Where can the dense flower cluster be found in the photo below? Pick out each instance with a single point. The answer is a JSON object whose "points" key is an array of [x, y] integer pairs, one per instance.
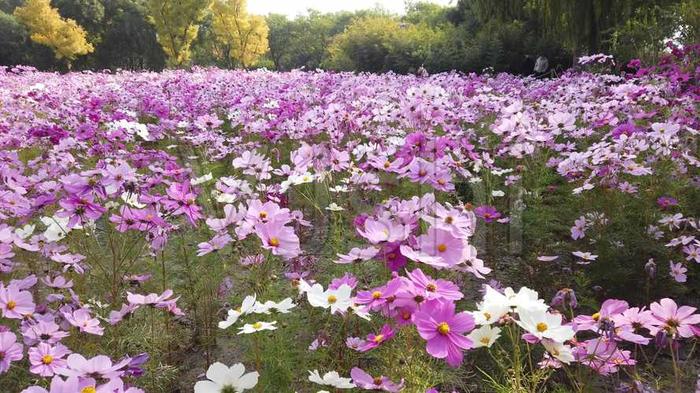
{"points": [[101, 174]]}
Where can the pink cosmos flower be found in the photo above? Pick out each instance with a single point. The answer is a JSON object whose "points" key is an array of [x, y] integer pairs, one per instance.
{"points": [[280, 239], [82, 319], [383, 230], [10, 350], [215, 244], [365, 381], [672, 319], [438, 248], [99, 366], [434, 289], [379, 297], [46, 359], [15, 303], [80, 209], [487, 213], [375, 340], [44, 331], [182, 201], [677, 271], [444, 330]]}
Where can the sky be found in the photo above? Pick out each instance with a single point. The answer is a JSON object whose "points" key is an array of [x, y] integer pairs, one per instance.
{"points": [[292, 8]]}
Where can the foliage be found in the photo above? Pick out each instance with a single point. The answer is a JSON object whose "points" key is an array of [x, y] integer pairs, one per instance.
{"points": [[177, 23], [244, 36], [47, 27]]}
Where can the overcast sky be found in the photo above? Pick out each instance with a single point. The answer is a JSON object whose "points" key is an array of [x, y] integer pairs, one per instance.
{"points": [[293, 8]]}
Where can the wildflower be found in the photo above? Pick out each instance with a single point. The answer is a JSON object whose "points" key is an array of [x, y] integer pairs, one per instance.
{"points": [[585, 257], [365, 381], [443, 330], [281, 240], [331, 378], [338, 300], [542, 324], [10, 350], [46, 359], [82, 319], [375, 340], [487, 213], [674, 320], [677, 271], [434, 289], [249, 328], [100, 366], [15, 303], [438, 248], [223, 379], [484, 336]]}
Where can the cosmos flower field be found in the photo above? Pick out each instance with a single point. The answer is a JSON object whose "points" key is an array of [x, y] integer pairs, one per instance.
{"points": [[231, 231]]}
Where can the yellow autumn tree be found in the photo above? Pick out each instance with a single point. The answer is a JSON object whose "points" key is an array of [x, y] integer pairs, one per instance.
{"points": [[177, 23], [47, 27], [243, 35]]}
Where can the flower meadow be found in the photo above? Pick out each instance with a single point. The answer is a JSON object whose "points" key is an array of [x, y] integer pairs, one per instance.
{"points": [[231, 231]]}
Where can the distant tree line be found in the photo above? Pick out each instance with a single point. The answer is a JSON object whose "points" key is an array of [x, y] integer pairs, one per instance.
{"points": [[473, 35]]}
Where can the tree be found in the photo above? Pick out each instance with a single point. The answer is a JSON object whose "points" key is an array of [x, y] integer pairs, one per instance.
{"points": [[244, 36], [177, 23], [13, 37], [47, 27], [128, 40]]}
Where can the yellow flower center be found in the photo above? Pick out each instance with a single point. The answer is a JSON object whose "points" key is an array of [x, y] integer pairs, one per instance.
{"points": [[257, 325], [88, 389], [262, 215], [47, 359], [378, 338], [332, 299], [274, 242], [431, 287], [487, 316], [449, 219], [376, 295], [11, 305], [387, 164], [443, 328], [485, 340], [596, 316], [541, 327], [442, 247]]}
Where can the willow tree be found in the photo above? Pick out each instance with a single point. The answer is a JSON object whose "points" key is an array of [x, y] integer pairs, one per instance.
{"points": [[244, 36], [46, 27], [177, 23]]}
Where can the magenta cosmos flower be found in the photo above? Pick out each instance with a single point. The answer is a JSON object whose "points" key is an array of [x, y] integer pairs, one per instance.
{"points": [[444, 330], [487, 213], [375, 340], [10, 350], [434, 289], [365, 381], [672, 319]]}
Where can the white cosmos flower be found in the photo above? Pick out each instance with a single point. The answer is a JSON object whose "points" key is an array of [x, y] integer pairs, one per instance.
{"points": [[497, 193], [201, 179], [484, 336], [57, 227], [335, 208], [25, 231], [222, 379], [249, 328], [335, 299], [543, 324], [331, 378], [282, 307], [560, 351], [494, 306], [246, 308], [132, 199], [525, 298]]}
